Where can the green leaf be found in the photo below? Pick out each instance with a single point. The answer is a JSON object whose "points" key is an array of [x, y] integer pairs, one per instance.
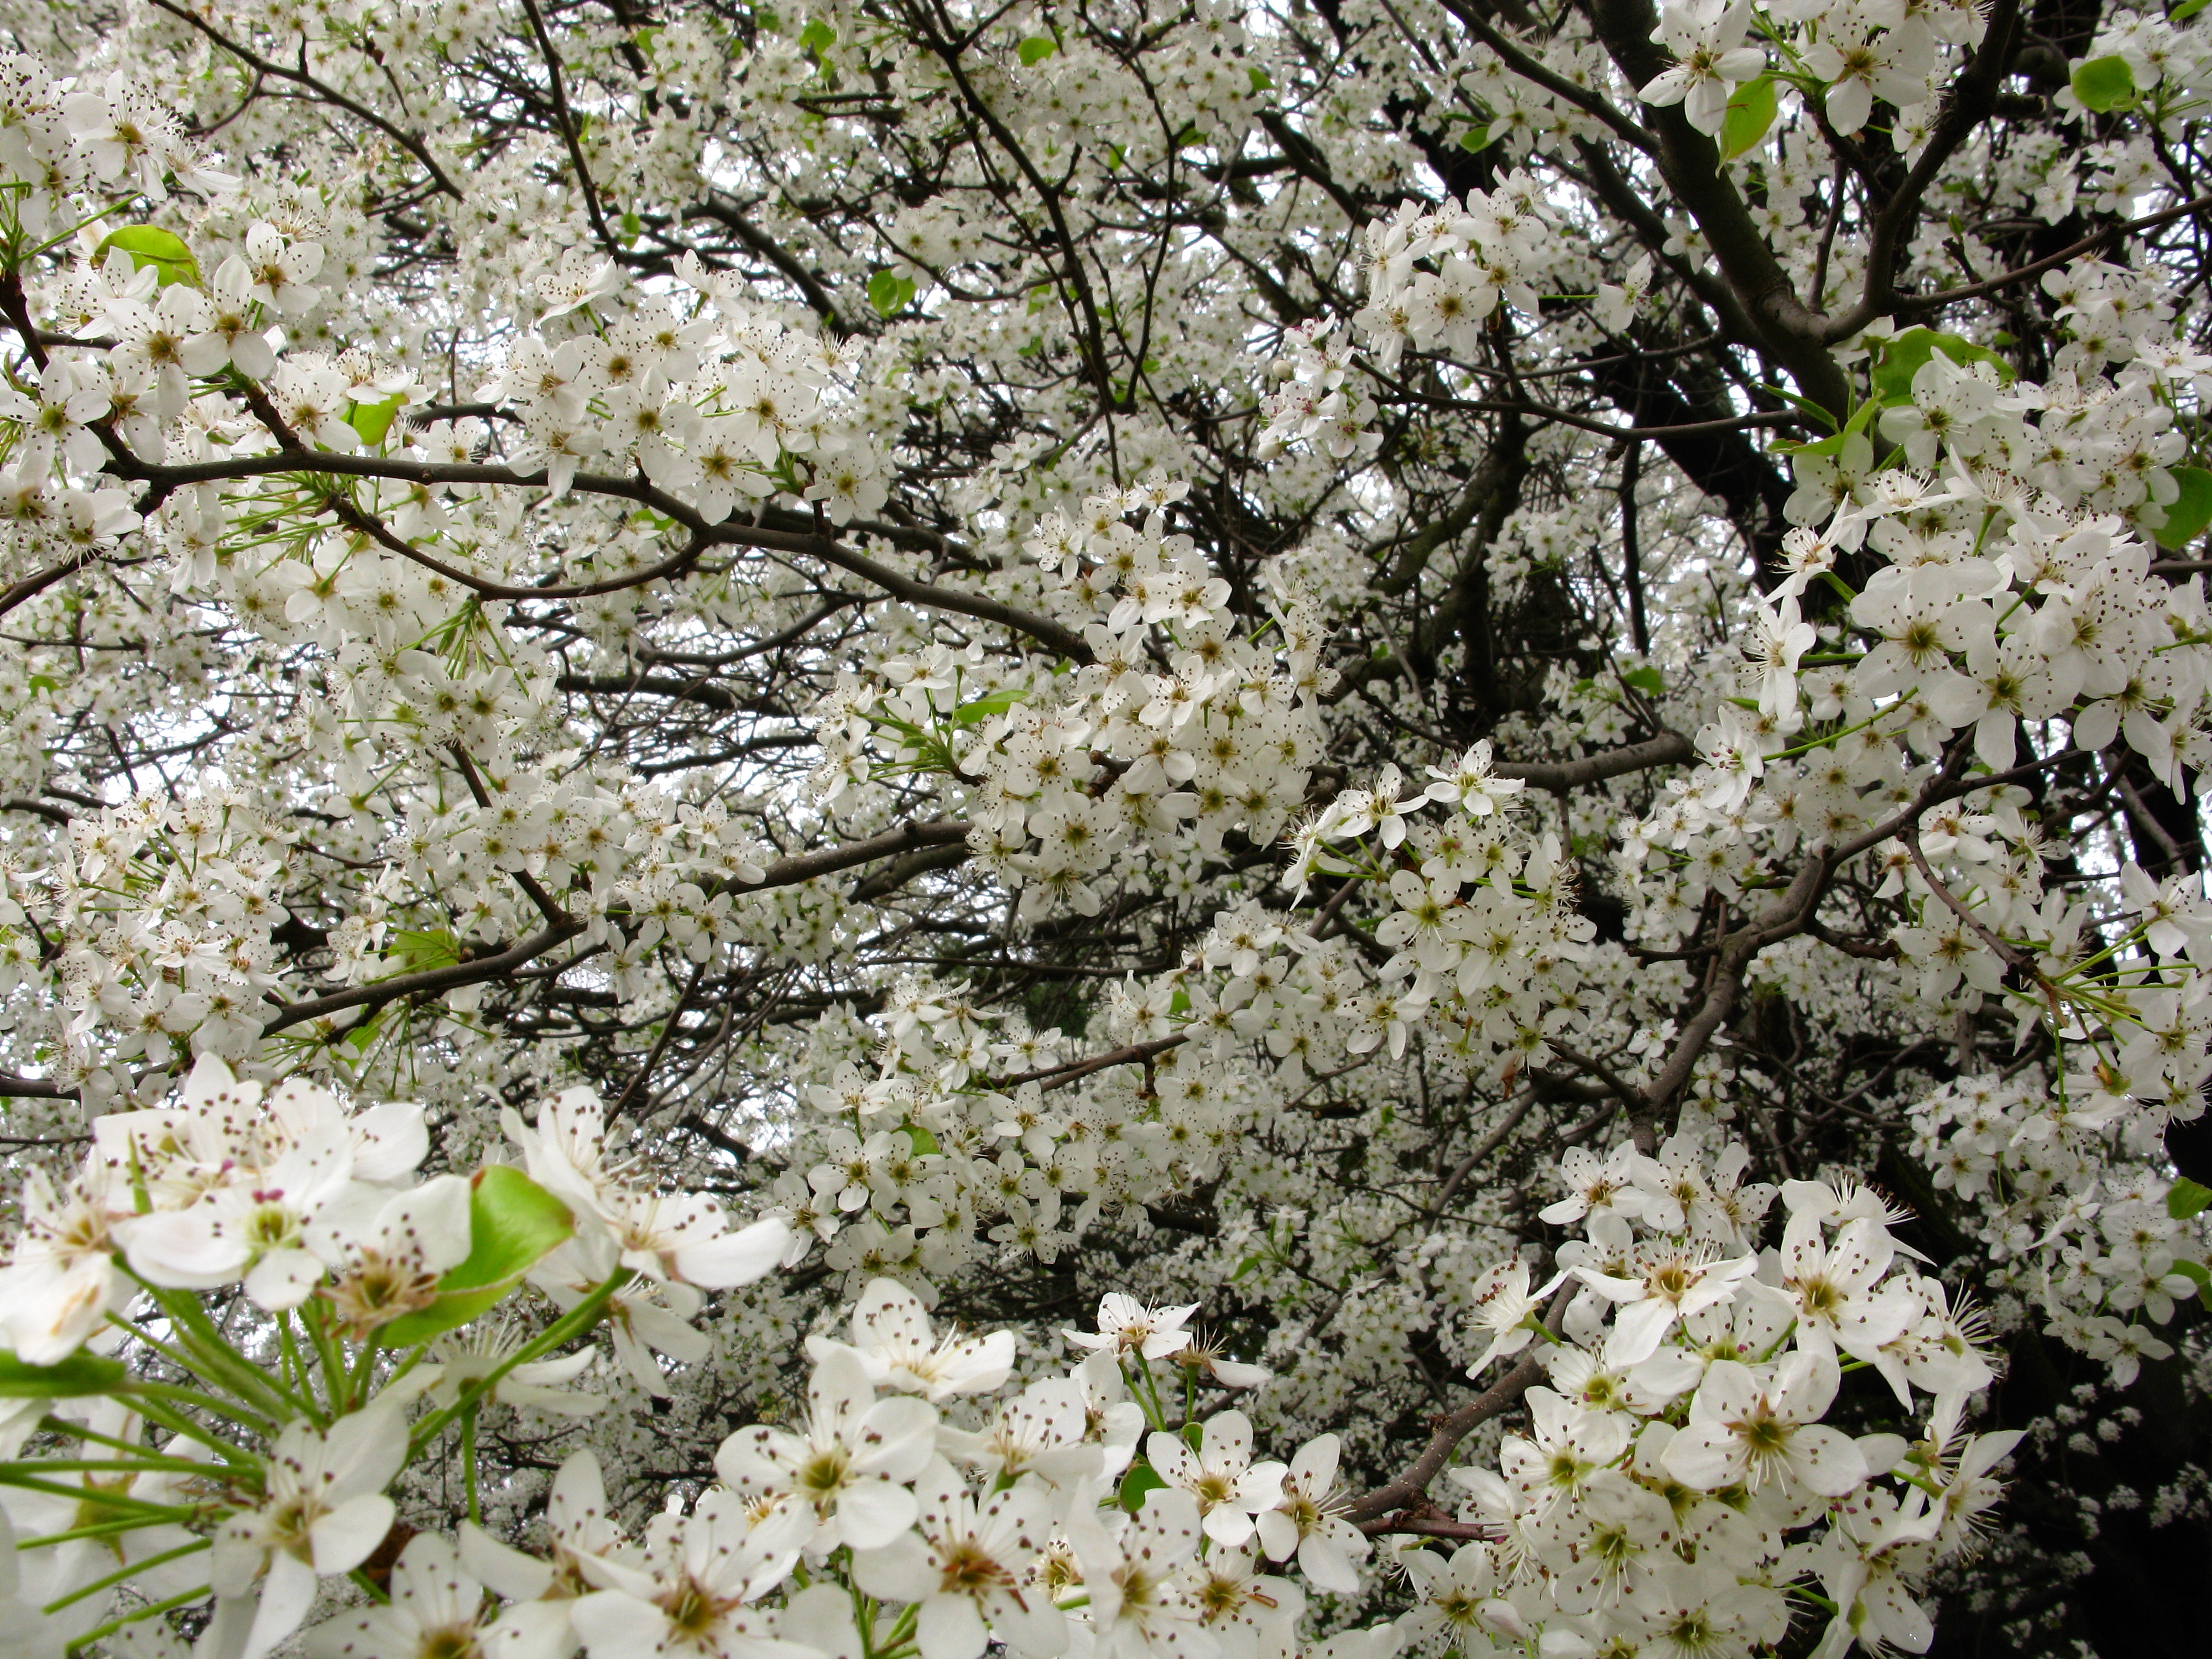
{"points": [[1475, 139], [154, 249], [890, 293], [1263, 81], [1803, 406], [817, 37], [2104, 83], [362, 1035], [1034, 50], [1645, 680], [1901, 359], [1834, 442], [1750, 113], [982, 708], [2194, 1272], [2186, 1198], [1141, 1479], [919, 1138], [2187, 514], [513, 1224], [422, 949], [372, 420], [2185, 10], [80, 1374]]}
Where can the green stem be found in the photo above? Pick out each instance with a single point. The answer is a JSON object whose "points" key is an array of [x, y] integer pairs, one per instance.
{"points": [[78, 1431], [218, 1358], [98, 1529], [178, 1424], [295, 1368], [122, 1573], [580, 1319], [1828, 738], [183, 1359], [241, 1414], [90, 1495], [152, 1464], [116, 206], [333, 1356], [184, 1600], [469, 1462], [364, 1370]]}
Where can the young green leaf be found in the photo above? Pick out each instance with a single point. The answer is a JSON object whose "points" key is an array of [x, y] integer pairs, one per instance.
{"points": [[1749, 114], [151, 248], [980, 709], [1901, 359], [80, 1374], [2104, 83], [890, 293], [514, 1223], [1803, 406], [372, 420], [1034, 50], [2188, 514], [1141, 1479], [2186, 1198], [422, 949]]}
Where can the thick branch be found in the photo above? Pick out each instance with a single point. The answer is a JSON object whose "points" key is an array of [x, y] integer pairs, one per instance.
{"points": [[1668, 749], [1786, 330]]}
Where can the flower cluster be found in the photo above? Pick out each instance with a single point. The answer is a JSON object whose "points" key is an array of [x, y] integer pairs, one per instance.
{"points": [[974, 662], [1679, 1444]]}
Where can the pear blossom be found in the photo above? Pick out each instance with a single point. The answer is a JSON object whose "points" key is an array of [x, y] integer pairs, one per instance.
{"points": [[323, 1513]]}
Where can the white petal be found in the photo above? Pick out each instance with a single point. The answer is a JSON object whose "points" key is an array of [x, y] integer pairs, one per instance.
{"points": [[531, 1629], [1705, 1455], [614, 1626], [286, 1595], [735, 1259], [349, 1533], [1825, 1459], [283, 1278], [514, 1576], [899, 1570], [872, 1512], [950, 1627]]}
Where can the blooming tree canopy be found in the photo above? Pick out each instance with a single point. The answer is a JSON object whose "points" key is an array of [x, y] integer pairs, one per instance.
{"points": [[1139, 831]]}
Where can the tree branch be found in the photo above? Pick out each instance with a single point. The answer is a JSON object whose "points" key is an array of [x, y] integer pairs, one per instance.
{"points": [[330, 94]]}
